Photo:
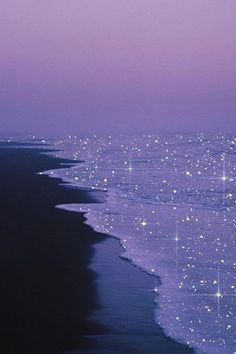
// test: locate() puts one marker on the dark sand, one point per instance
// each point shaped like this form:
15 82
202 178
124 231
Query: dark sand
51 301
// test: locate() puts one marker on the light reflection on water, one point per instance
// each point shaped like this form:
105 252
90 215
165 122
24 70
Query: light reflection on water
171 202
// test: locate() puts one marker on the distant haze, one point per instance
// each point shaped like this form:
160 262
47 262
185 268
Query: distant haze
105 66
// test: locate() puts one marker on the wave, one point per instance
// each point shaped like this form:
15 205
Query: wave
171 202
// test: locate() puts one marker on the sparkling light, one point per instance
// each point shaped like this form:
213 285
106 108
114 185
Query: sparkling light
171 202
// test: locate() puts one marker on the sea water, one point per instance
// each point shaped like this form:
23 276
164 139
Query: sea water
170 199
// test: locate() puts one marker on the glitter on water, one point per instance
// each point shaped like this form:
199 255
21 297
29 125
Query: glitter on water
171 202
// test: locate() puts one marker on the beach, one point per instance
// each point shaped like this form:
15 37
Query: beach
64 288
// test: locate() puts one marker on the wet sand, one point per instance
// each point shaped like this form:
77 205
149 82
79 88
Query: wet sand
63 287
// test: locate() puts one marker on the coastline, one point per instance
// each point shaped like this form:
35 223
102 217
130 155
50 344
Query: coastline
126 293
113 311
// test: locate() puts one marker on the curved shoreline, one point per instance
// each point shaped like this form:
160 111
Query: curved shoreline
93 330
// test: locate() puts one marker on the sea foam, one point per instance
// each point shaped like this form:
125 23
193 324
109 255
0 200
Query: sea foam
170 199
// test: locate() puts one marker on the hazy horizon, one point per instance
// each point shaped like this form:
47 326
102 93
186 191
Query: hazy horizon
117 66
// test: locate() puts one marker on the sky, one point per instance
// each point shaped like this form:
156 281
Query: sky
115 66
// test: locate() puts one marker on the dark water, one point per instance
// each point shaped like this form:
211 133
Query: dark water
47 291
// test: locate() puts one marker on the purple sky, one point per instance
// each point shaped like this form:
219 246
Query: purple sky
104 66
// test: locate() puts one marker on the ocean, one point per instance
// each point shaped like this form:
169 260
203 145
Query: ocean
171 201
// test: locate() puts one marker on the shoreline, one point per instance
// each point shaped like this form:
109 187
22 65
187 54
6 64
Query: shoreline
132 325
102 269
46 288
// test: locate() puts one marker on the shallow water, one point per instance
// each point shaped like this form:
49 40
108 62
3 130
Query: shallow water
171 202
